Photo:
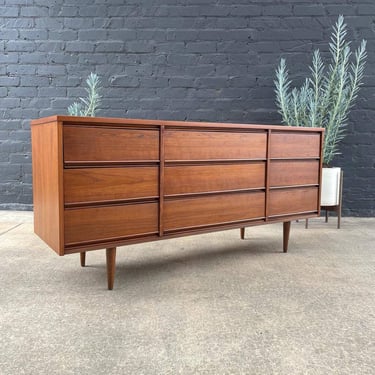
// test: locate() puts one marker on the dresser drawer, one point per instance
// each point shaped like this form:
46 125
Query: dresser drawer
208 145
110 222
211 210
84 185
188 179
293 201
295 172
90 144
295 145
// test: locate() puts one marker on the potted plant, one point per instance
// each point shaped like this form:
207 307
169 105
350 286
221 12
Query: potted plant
324 100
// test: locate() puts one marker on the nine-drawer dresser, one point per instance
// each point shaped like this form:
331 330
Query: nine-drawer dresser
106 182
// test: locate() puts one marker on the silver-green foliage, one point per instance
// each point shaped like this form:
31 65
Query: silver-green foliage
325 99
89 105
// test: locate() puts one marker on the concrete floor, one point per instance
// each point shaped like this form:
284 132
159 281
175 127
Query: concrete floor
209 304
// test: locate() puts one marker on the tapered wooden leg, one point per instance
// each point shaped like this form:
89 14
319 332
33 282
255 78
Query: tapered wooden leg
307 223
326 216
286 231
83 259
111 266
242 233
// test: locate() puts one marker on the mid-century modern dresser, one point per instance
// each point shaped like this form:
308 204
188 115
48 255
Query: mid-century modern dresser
100 183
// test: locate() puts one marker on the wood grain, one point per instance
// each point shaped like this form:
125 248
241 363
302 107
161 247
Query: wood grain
111 266
107 184
211 145
106 144
286 233
189 179
153 123
293 201
294 172
83 258
131 181
294 145
47 184
101 223
209 210
161 181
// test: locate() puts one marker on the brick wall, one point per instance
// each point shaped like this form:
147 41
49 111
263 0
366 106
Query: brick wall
208 60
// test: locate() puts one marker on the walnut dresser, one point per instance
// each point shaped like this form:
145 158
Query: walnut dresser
100 183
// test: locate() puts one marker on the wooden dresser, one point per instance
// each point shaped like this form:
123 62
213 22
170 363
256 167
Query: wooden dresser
107 182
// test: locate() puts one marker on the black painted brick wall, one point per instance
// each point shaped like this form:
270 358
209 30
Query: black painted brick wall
172 59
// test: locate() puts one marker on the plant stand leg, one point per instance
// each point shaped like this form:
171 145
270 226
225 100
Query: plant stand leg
111 266
340 201
242 233
286 232
83 258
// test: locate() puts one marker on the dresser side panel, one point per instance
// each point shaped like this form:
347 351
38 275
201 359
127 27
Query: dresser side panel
47 183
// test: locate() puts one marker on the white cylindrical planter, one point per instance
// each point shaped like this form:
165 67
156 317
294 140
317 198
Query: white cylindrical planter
330 194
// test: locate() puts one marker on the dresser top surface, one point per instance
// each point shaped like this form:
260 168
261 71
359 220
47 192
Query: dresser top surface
128 122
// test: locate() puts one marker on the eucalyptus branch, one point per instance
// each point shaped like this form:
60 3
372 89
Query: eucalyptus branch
357 73
317 71
282 86
89 105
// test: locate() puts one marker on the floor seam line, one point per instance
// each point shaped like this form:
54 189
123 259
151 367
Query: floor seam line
16 226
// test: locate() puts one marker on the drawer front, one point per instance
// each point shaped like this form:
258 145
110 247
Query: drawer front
206 145
85 144
109 223
289 173
211 210
108 184
297 145
292 201
205 178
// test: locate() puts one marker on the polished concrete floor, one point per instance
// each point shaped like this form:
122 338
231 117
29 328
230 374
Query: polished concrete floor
208 304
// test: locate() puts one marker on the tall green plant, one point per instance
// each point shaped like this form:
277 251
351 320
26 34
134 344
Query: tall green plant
89 105
325 98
